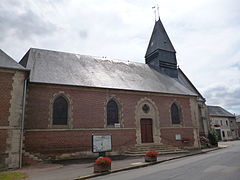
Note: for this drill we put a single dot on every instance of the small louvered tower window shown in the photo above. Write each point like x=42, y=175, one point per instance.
x=175, y=114
x=60, y=111
x=112, y=112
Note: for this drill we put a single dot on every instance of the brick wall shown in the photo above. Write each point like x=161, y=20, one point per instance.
x=168, y=136
x=68, y=141
x=11, y=94
x=3, y=137
x=88, y=114
x=3, y=154
x=6, y=80
x=88, y=106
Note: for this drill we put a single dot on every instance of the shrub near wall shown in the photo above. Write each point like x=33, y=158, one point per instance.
x=213, y=137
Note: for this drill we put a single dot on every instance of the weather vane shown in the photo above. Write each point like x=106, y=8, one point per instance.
x=156, y=12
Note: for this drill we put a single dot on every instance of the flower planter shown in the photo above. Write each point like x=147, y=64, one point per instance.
x=99, y=168
x=102, y=164
x=150, y=158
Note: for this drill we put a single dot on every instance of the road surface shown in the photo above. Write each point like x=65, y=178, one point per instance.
x=222, y=164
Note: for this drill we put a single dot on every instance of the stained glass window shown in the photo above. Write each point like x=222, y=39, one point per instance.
x=112, y=112
x=60, y=111
x=175, y=114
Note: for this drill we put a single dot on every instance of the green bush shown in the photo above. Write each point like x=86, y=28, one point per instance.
x=213, y=138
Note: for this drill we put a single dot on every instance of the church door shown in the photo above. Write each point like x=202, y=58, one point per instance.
x=146, y=131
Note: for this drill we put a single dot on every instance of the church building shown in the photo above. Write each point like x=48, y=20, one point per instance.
x=69, y=97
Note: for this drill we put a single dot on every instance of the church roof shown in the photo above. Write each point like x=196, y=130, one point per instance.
x=159, y=40
x=7, y=62
x=218, y=111
x=80, y=70
x=187, y=83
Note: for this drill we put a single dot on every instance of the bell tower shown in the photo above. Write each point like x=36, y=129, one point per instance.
x=161, y=54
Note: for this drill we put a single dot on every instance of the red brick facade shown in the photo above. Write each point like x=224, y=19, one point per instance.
x=58, y=142
x=5, y=97
x=168, y=136
x=88, y=106
x=6, y=80
x=11, y=98
x=3, y=154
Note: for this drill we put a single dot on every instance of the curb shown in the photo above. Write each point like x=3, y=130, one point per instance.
x=145, y=165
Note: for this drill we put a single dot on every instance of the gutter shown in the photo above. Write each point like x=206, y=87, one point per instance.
x=22, y=122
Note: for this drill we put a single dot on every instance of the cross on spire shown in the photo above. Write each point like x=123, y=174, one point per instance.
x=156, y=12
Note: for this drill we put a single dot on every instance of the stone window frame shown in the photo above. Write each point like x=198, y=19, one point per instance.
x=181, y=124
x=70, y=110
x=120, y=111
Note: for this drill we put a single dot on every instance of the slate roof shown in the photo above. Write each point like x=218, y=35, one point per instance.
x=188, y=84
x=159, y=40
x=218, y=111
x=7, y=62
x=80, y=70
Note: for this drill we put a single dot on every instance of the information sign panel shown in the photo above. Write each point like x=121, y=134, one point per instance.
x=101, y=143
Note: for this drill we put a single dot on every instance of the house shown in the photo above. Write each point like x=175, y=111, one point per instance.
x=238, y=124
x=72, y=96
x=12, y=78
x=223, y=122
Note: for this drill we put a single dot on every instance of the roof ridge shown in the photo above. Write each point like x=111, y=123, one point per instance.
x=56, y=67
x=95, y=57
x=8, y=62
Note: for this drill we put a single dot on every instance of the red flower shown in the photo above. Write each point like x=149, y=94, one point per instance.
x=152, y=153
x=103, y=161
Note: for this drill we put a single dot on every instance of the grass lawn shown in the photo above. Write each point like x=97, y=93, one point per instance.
x=12, y=176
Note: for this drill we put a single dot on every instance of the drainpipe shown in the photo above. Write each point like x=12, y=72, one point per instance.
x=22, y=122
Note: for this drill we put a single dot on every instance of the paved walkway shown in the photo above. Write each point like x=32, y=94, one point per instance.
x=78, y=169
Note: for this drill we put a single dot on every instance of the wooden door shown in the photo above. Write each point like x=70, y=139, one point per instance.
x=146, y=131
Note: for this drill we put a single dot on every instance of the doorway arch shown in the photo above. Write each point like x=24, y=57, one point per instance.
x=146, y=110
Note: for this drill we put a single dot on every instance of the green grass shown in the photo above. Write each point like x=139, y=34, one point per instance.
x=12, y=176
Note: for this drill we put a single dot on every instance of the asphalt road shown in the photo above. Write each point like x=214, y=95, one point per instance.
x=222, y=164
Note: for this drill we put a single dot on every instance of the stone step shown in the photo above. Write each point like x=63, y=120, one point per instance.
x=32, y=156
x=152, y=148
x=156, y=148
x=161, y=149
x=135, y=151
x=162, y=153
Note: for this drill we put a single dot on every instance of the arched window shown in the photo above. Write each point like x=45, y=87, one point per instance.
x=112, y=112
x=175, y=114
x=60, y=111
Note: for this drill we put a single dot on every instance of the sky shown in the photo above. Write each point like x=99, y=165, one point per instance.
x=205, y=34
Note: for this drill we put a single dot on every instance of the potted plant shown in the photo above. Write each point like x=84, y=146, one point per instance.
x=102, y=164
x=151, y=156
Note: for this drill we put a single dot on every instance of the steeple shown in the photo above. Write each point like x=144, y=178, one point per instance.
x=161, y=54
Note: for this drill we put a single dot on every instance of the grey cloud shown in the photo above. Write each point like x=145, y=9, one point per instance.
x=221, y=95
x=83, y=34
x=24, y=25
